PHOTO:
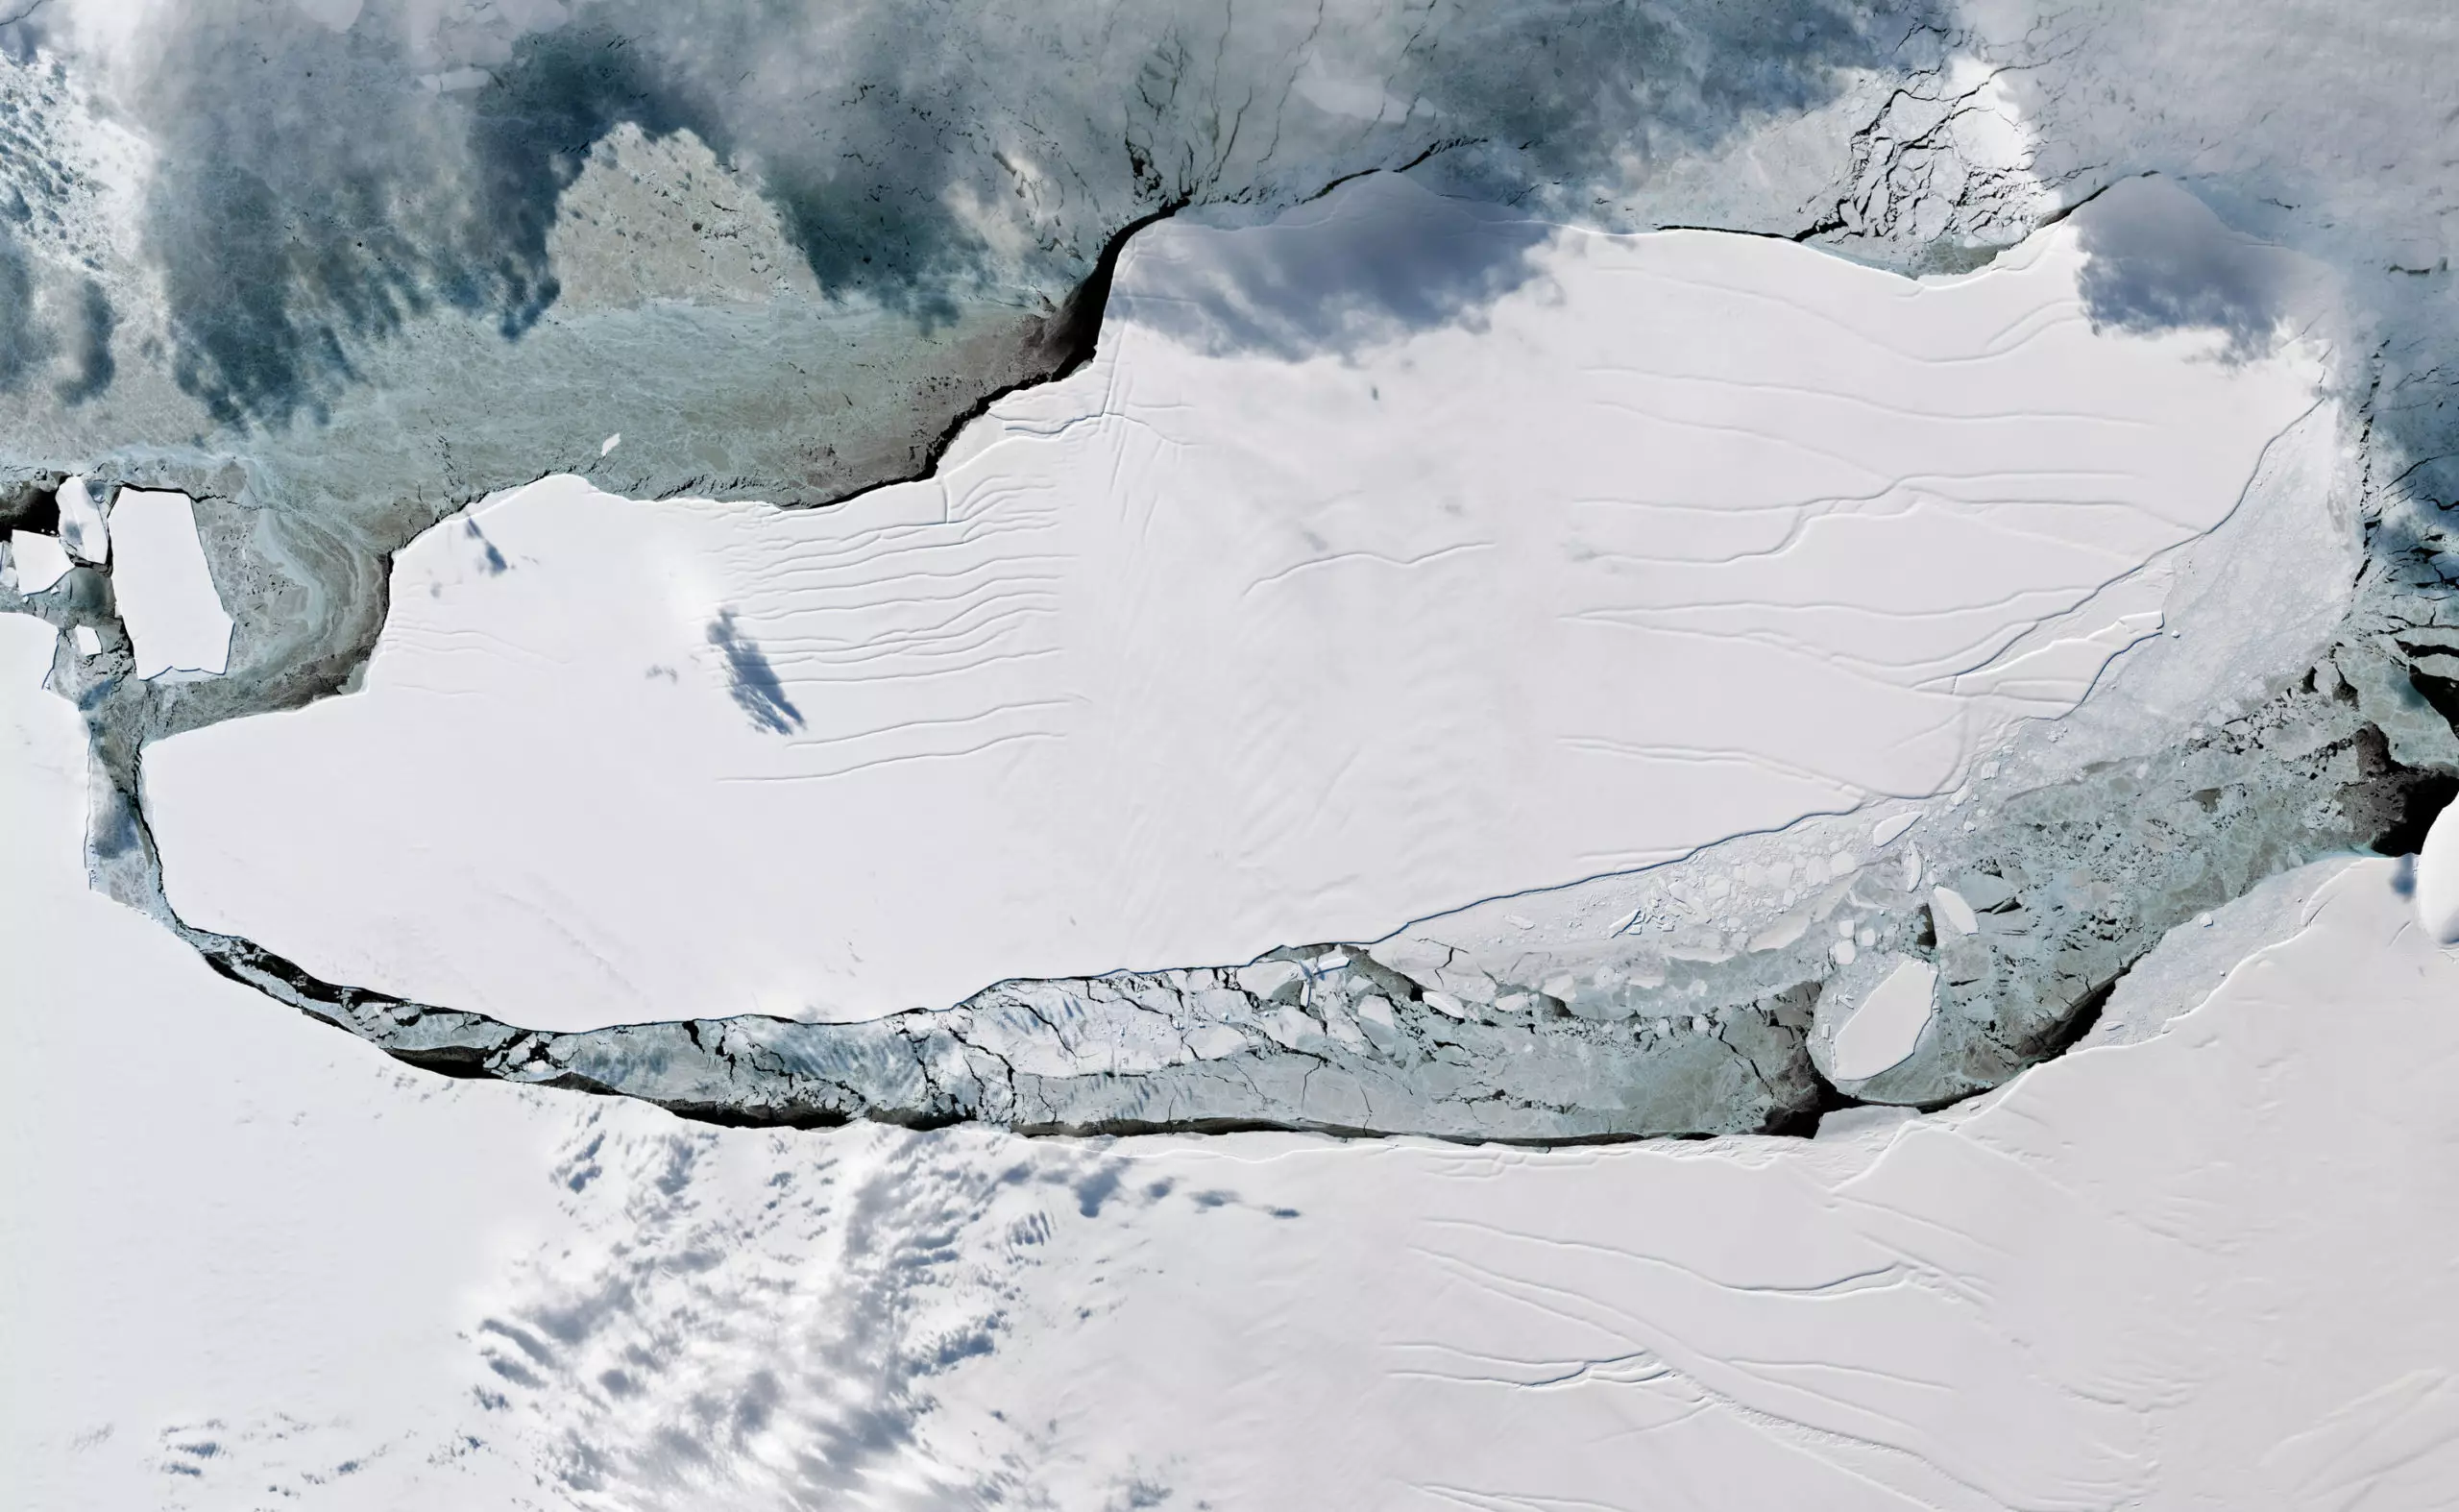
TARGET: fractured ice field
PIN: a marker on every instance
(1290, 617)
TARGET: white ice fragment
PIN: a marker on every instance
(1954, 915)
(1376, 1008)
(1328, 961)
(83, 529)
(1842, 863)
(1884, 1030)
(1845, 953)
(2437, 878)
(610, 443)
(1912, 867)
(1624, 922)
(40, 562)
(1886, 831)
(1517, 921)
(88, 643)
(175, 620)
(1445, 1002)
(1270, 979)
(1212, 1042)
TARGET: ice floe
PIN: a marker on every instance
(1888, 1023)
(166, 591)
(251, 1260)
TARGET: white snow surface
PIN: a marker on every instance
(251, 1262)
(165, 590)
(1217, 645)
(1888, 1023)
(40, 559)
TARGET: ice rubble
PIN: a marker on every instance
(1216, 647)
(256, 1260)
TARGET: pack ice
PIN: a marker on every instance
(1290, 617)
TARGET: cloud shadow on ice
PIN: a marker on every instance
(751, 680)
(1374, 261)
(2157, 259)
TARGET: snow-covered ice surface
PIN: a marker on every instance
(163, 589)
(252, 1263)
(1266, 626)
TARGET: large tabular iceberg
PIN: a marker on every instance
(1290, 617)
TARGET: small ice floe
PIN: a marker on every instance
(1955, 915)
(83, 529)
(40, 561)
(610, 443)
(89, 644)
(1884, 1030)
(1887, 829)
(2437, 878)
(175, 618)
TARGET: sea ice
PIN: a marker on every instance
(1223, 643)
(166, 591)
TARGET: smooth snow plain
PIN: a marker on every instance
(254, 1263)
(1277, 623)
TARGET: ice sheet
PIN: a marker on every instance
(1218, 646)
